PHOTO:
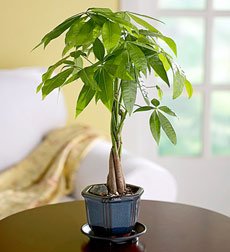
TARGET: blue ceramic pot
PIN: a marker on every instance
(112, 216)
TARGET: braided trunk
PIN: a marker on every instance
(115, 180)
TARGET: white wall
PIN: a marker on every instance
(203, 182)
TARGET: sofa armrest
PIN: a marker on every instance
(25, 118)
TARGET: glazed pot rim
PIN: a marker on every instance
(86, 194)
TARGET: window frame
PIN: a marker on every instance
(207, 87)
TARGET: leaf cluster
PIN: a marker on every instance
(124, 48)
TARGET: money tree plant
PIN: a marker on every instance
(112, 53)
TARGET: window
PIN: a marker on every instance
(201, 31)
(200, 161)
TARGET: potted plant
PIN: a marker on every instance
(111, 52)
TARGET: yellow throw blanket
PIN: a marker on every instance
(47, 173)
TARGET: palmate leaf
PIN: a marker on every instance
(126, 24)
(167, 110)
(86, 33)
(123, 66)
(168, 128)
(101, 10)
(111, 33)
(72, 78)
(82, 34)
(105, 83)
(51, 69)
(159, 92)
(144, 108)
(115, 17)
(98, 49)
(165, 62)
(158, 67)
(39, 87)
(74, 30)
(138, 43)
(87, 76)
(178, 83)
(84, 98)
(143, 23)
(98, 19)
(189, 88)
(155, 102)
(129, 92)
(55, 82)
(76, 54)
(137, 57)
(57, 31)
(171, 43)
(123, 15)
(155, 126)
(146, 16)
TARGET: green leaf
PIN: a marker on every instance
(158, 67)
(123, 15)
(126, 24)
(105, 83)
(178, 83)
(143, 45)
(39, 87)
(98, 19)
(84, 98)
(143, 23)
(57, 31)
(76, 54)
(51, 69)
(111, 34)
(123, 66)
(78, 64)
(85, 35)
(115, 17)
(155, 126)
(129, 92)
(87, 76)
(167, 110)
(189, 88)
(146, 16)
(72, 34)
(137, 57)
(55, 82)
(165, 62)
(155, 102)
(168, 128)
(144, 108)
(74, 77)
(98, 49)
(97, 97)
(101, 10)
(171, 43)
(159, 92)
(111, 68)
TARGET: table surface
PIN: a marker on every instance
(171, 227)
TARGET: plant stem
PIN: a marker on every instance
(115, 180)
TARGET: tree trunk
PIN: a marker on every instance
(115, 180)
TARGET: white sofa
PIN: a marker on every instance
(25, 119)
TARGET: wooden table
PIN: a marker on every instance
(171, 228)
